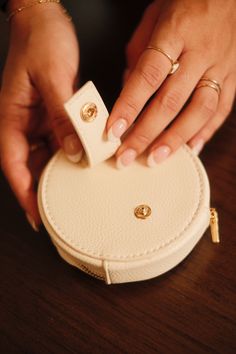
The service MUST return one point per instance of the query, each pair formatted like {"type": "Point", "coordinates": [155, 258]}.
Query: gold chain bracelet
{"type": "Point", "coordinates": [36, 2]}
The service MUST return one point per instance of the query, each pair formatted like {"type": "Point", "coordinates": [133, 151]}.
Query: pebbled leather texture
{"type": "Point", "coordinates": [89, 212]}
{"type": "Point", "coordinates": [92, 135]}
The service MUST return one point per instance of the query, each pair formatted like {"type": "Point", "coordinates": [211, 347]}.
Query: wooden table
{"type": "Point", "coordinates": [47, 306]}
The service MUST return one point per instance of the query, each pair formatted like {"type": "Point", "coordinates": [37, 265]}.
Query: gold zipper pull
{"type": "Point", "coordinates": [214, 223]}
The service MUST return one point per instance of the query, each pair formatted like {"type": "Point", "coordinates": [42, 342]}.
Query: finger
{"type": "Point", "coordinates": [126, 75]}
{"type": "Point", "coordinates": [56, 88]}
{"type": "Point", "coordinates": [224, 108]}
{"type": "Point", "coordinates": [201, 109]}
{"type": "Point", "coordinates": [53, 143]}
{"type": "Point", "coordinates": [149, 73]}
{"type": "Point", "coordinates": [38, 157]}
{"type": "Point", "coordinates": [14, 152]}
{"type": "Point", "coordinates": [45, 132]}
{"type": "Point", "coordinates": [141, 35]}
{"type": "Point", "coordinates": [164, 107]}
{"type": "Point", "coordinates": [37, 161]}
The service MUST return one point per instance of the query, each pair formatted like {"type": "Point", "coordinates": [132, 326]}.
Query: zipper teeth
{"type": "Point", "coordinates": [90, 272]}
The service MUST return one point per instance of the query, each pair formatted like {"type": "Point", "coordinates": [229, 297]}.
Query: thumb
{"type": "Point", "coordinates": [55, 90]}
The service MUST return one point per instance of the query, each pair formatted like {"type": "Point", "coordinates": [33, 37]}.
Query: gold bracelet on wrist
{"type": "Point", "coordinates": [36, 2]}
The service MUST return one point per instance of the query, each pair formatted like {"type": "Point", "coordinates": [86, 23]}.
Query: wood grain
{"type": "Point", "coordinates": [46, 306]}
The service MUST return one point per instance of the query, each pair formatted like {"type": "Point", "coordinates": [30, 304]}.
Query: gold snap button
{"type": "Point", "coordinates": [142, 211]}
{"type": "Point", "coordinates": [89, 112]}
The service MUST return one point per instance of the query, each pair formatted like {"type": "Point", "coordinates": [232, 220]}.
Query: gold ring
{"type": "Point", "coordinates": [206, 82]}
{"type": "Point", "coordinates": [211, 80]}
{"type": "Point", "coordinates": [174, 63]}
{"type": "Point", "coordinates": [214, 82]}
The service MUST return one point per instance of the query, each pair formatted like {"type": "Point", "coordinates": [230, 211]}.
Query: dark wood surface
{"type": "Point", "coordinates": [47, 306]}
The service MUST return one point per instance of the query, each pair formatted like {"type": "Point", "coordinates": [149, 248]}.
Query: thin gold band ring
{"type": "Point", "coordinates": [174, 63]}
{"type": "Point", "coordinates": [206, 82]}
{"type": "Point", "coordinates": [211, 80]}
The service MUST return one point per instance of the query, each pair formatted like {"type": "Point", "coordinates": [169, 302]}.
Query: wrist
{"type": "Point", "coordinates": [30, 19]}
{"type": "Point", "coordinates": [15, 4]}
{"type": "Point", "coordinates": [25, 10]}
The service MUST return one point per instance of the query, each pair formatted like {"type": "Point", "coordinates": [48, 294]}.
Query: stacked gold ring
{"type": "Point", "coordinates": [174, 63]}
{"type": "Point", "coordinates": [206, 82]}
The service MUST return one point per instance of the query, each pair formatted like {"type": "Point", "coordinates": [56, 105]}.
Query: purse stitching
{"type": "Point", "coordinates": [146, 252]}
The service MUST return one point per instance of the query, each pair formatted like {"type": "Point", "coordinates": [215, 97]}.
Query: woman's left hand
{"type": "Point", "coordinates": [201, 35]}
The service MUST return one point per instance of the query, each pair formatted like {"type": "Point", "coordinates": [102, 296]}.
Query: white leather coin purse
{"type": "Point", "coordinates": [121, 225]}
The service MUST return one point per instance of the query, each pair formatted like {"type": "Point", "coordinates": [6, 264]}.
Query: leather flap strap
{"type": "Point", "coordinates": [89, 115]}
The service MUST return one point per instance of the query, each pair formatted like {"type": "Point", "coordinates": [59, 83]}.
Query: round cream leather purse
{"type": "Point", "coordinates": [121, 225]}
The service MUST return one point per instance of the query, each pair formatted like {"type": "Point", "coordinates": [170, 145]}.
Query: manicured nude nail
{"type": "Point", "coordinates": [72, 148]}
{"type": "Point", "coordinates": [198, 146]}
{"type": "Point", "coordinates": [158, 155]}
{"type": "Point", "coordinates": [75, 158]}
{"type": "Point", "coordinates": [117, 129]}
{"type": "Point", "coordinates": [126, 158]}
{"type": "Point", "coordinates": [32, 222]}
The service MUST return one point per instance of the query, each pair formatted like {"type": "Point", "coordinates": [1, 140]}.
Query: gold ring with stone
{"type": "Point", "coordinates": [206, 82]}
{"type": "Point", "coordinates": [174, 63]}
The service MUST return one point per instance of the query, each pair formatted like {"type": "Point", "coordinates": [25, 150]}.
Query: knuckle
{"type": "Point", "coordinates": [171, 101]}
{"type": "Point", "coordinates": [52, 73]}
{"type": "Point", "coordinates": [47, 70]}
{"type": "Point", "coordinates": [131, 108]}
{"type": "Point", "coordinates": [53, 77]}
{"type": "Point", "coordinates": [142, 139]}
{"type": "Point", "coordinates": [151, 74]}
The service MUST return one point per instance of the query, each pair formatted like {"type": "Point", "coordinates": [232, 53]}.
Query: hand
{"type": "Point", "coordinates": [202, 36]}
{"type": "Point", "coordinates": [39, 76]}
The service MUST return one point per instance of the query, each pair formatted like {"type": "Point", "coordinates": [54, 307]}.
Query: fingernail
{"type": "Point", "coordinates": [75, 158]}
{"type": "Point", "coordinates": [158, 155]}
{"type": "Point", "coordinates": [126, 158]}
{"type": "Point", "coordinates": [198, 146]}
{"type": "Point", "coordinates": [117, 129]}
{"type": "Point", "coordinates": [72, 148]}
{"type": "Point", "coordinates": [32, 222]}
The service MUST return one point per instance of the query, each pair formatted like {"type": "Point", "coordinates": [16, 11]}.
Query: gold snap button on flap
{"type": "Point", "coordinates": [142, 211]}
{"type": "Point", "coordinates": [89, 112]}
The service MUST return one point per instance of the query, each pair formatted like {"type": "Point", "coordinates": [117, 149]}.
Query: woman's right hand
{"type": "Point", "coordinates": [39, 76]}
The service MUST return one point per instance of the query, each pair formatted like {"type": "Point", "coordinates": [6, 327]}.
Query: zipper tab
{"type": "Point", "coordinates": [214, 223]}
